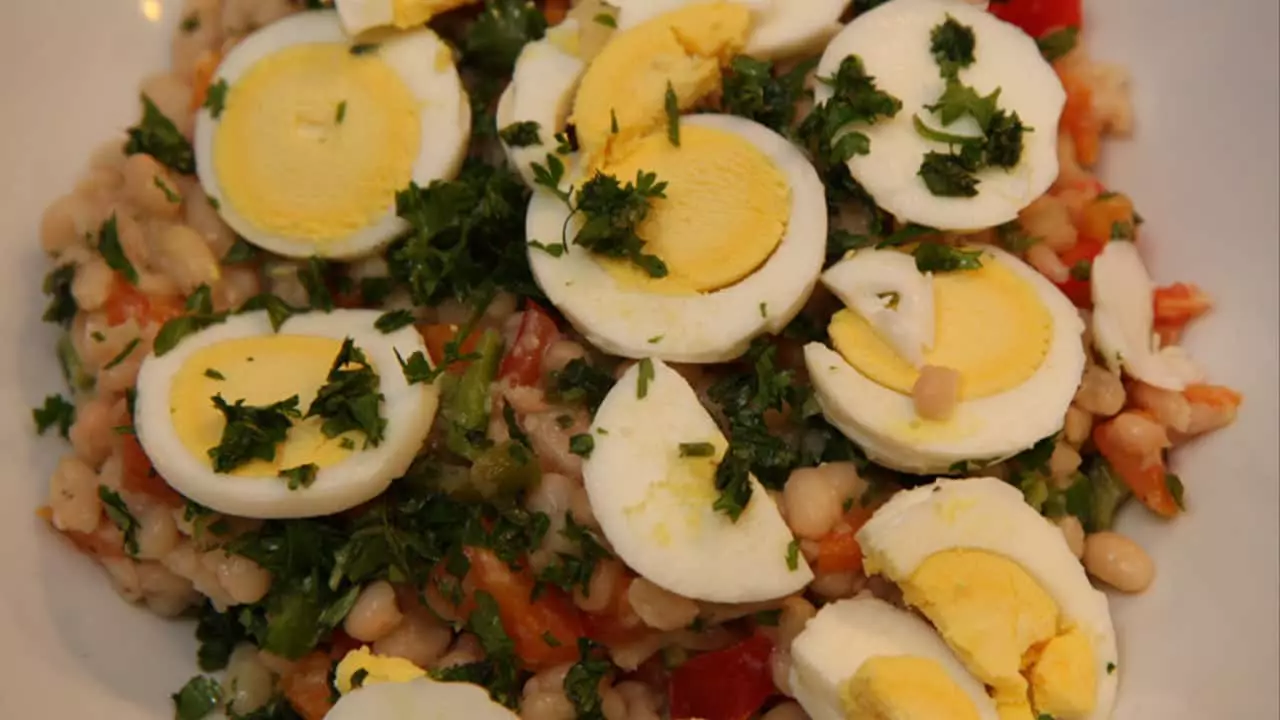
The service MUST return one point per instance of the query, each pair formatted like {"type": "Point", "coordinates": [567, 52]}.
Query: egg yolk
{"type": "Point", "coordinates": [622, 95]}
{"type": "Point", "coordinates": [314, 141]}
{"type": "Point", "coordinates": [409, 13]}
{"type": "Point", "coordinates": [378, 669]}
{"type": "Point", "coordinates": [903, 687]}
{"type": "Point", "coordinates": [725, 211]}
{"type": "Point", "coordinates": [262, 371]}
{"type": "Point", "coordinates": [1005, 628]}
{"type": "Point", "coordinates": [990, 327]}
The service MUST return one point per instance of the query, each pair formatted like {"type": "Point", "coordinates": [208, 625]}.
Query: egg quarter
{"type": "Point", "coordinates": [359, 16]}
{"type": "Point", "coordinates": [780, 28]}
{"type": "Point", "coordinates": [176, 423]}
{"type": "Point", "coordinates": [316, 135]}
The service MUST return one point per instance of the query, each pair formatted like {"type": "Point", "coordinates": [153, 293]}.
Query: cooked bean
{"type": "Point", "coordinates": [612, 704]}
{"type": "Point", "coordinates": [551, 443]}
{"type": "Point", "coordinates": [419, 638]}
{"type": "Point", "coordinates": [172, 96]}
{"type": "Point", "coordinates": [786, 711]}
{"type": "Point", "coordinates": [1171, 408]}
{"type": "Point", "coordinates": [659, 608]}
{"type": "Point", "coordinates": [1048, 219]}
{"type": "Point", "coordinates": [1118, 561]}
{"type": "Point", "coordinates": [374, 614]}
{"type": "Point", "coordinates": [248, 682]}
{"type": "Point", "coordinates": [200, 216]}
{"type": "Point", "coordinates": [184, 256]}
{"type": "Point", "coordinates": [780, 669]}
{"type": "Point", "coordinates": [1138, 434]}
{"type": "Point", "coordinates": [465, 650]}
{"type": "Point", "coordinates": [549, 680]}
{"type": "Point", "coordinates": [145, 185]}
{"type": "Point", "coordinates": [548, 706]}
{"type": "Point", "coordinates": [124, 577]}
{"type": "Point", "coordinates": [200, 32]}
{"type": "Point", "coordinates": [92, 284]}
{"type": "Point", "coordinates": [1077, 426]}
{"type": "Point", "coordinates": [133, 238]}
{"type": "Point", "coordinates": [165, 593]}
{"type": "Point", "coordinates": [1047, 262]}
{"type": "Point", "coordinates": [235, 287]}
{"type": "Point", "coordinates": [1063, 463]}
{"type": "Point", "coordinates": [64, 223]}
{"type": "Point", "coordinates": [796, 613]}
{"type": "Point", "coordinates": [813, 502]}
{"type": "Point", "coordinates": [92, 434]}
{"type": "Point", "coordinates": [936, 392]}
{"type": "Point", "coordinates": [837, 585]}
{"type": "Point", "coordinates": [559, 353]}
{"type": "Point", "coordinates": [600, 590]}
{"type": "Point", "coordinates": [157, 534]}
{"type": "Point", "coordinates": [73, 496]}
{"type": "Point", "coordinates": [1100, 392]}
{"type": "Point", "coordinates": [241, 17]}
{"type": "Point", "coordinates": [1073, 533]}
{"type": "Point", "coordinates": [244, 580]}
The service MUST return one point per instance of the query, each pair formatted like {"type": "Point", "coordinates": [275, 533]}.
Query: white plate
{"type": "Point", "coordinates": [1203, 168]}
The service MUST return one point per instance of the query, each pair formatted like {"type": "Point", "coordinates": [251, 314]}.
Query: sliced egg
{"type": "Point", "coordinates": [654, 500]}
{"type": "Point", "coordinates": [361, 15]}
{"type": "Point", "coordinates": [1011, 335]}
{"type": "Point", "coordinates": [1005, 592]}
{"type": "Point", "coordinates": [376, 669]}
{"type": "Point", "coordinates": [1123, 322]}
{"type": "Point", "coordinates": [742, 231]}
{"type": "Point", "coordinates": [541, 92]}
{"type": "Point", "coordinates": [419, 699]}
{"type": "Point", "coordinates": [243, 358]}
{"type": "Point", "coordinates": [866, 658]}
{"type": "Point", "coordinates": [314, 135]}
{"type": "Point", "coordinates": [780, 28]}
{"type": "Point", "coordinates": [1005, 58]}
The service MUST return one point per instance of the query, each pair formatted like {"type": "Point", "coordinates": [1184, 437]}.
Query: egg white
{"type": "Point", "coordinates": [669, 532]}
{"type": "Point", "coordinates": [704, 328]}
{"type": "Point", "coordinates": [444, 112]}
{"type": "Point", "coordinates": [1124, 321]}
{"type": "Point", "coordinates": [408, 409]}
{"type": "Point", "coordinates": [991, 515]}
{"type": "Point", "coordinates": [1005, 57]}
{"type": "Point", "coordinates": [541, 90]}
{"type": "Point", "coordinates": [845, 634]}
{"type": "Point", "coordinates": [419, 699]}
{"type": "Point", "coordinates": [988, 429]}
{"type": "Point", "coordinates": [781, 28]}
{"type": "Point", "coordinates": [862, 281]}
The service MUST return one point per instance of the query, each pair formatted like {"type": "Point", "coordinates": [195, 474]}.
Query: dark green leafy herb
{"type": "Point", "coordinates": [349, 400]}
{"type": "Point", "coordinates": [613, 121]}
{"type": "Point", "coordinates": [486, 624]}
{"type": "Point", "coordinates": [190, 23]}
{"type": "Point", "coordinates": [949, 175]}
{"type": "Point", "coordinates": [363, 48]}
{"type": "Point", "coordinates": [958, 100]}
{"type": "Point", "coordinates": [1014, 238]}
{"type": "Point", "coordinates": [767, 618]}
{"type": "Point", "coordinates": [465, 403]}
{"type": "Point", "coordinates": [251, 432]}
{"type": "Point", "coordinates": [952, 46]}
{"type": "Point", "coordinates": [520, 134]}
{"type": "Point", "coordinates": [375, 290]}
{"type": "Point", "coordinates": [278, 311]}
{"type": "Point", "coordinates": [752, 91]}
{"type": "Point", "coordinates": [1176, 489]}
{"type": "Point", "coordinates": [582, 682]}
{"type": "Point", "coordinates": [123, 354]}
{"type": "Point", "coordinates": [1122, 230]}
{"type": "Point", "coordinates": [645, 376]}
{"type": "Point", "coordinates": [556, 250]}
{"type": "Point", "coordinates": [169, 193]}
{"type": "Point", "coordinates": [582, 445]}
{"type": "Point", "coordinates": [314, 276]}
{"type": "Point", "coordinates": [393, 320]}
{"type": "Point", "coordinates": [929, 133]}
{"type": "Point", "coordinates": [119, 514]}
{"type": "Point", "coordinates": [56, 412]}
{"type": "Point", "coordinates": [841, 242]}
{"type": "Point", "coordinates": [216, 99]}
{"type": "Point", "coordinates": [907, 233]}
{"type": "Point", "coordinates": [611, 213]}
{"type": "Point", "coordinates": [572, 570]}
{"type": "Point", "coordinates": [301, 476]}
{"type": "Point", "coordinates": [1082, 270]}
{"type": "Point", "coordinates": [218, 634]}
{"type": "Point", "coordinates": [855, 99]}
{"type": "Point", "coordinates": [1111, 668]}
{"type": "Point", "coordinates": [1058, 43]}
{"type": "Point", "coordinates": [111, 250]}
{"type": "Point", "coordinates": [240, 252]}
{"type": "Point", "coordinates": [550, 176]}
{"type": "Point", "coordinates": [937, 257]}
{"type": "Point", "coordinates": [157, 136]}
{"type": "Point", "coordinates": [197, 699]}
{"type": "Point", "coordinates": [62, 304]}
{"type": "Point", "coordinates": [502, 30]}
{"type": "Point", "coordinates": [606, 20]}
{"type": "Point", "coordinates": [199, 315]}
{"type": "Point", "coordinates": [697, 449]}
{"type": "Point", "coordinates": [567, 141]}
{"type": "Point", "coordinates": [793, 555]}
{"type": "Point", "coordinates": [340, 113]}
{"type": "Point", "coordinates": [672, 105]}
{"type": "Point", "coordinates": [580, 381]}
{"type": "Point", "coordinates": [1004, 140]}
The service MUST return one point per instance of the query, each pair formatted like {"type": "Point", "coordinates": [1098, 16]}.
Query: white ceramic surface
{"type": "Point", "coordinates": [1204, 167]}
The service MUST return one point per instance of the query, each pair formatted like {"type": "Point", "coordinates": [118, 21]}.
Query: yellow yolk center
{"type": "Point", "coordinates": [409, 13]}
{"type": "Point", "coordinates": [378, 669]}
{"type": "Point", "coordinates": [990, 327]}
{"type": "Point", "coordinates": [905, 688]}
{"type": "Point", "coordinates": [314, 142]}
{"type": "Point", "coordinates": [262, 371]}
{"type": "Point", "coordinates": [725, 211]}
{"type": "Point", "coordinates": [1005, 628]}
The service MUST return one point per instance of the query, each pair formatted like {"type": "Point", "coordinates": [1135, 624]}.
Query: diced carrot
{"type": "Point", "coordinates": [1179, 303]}
{"type": "Point", "coordinates": [202, 76]}
{"type": "Point", "coordinates": [555, 11]}
{"type": "Point", "coordinates": [1079, 119]}
{"type": "Point", "coordinates": [438, 335]}
{"type": "Point", "coordinates": [306, 687]}
{"type": "Point", "coordinates": [1145, 476]}
{"type": "Point", "coordinates": [1100, 217]}
{"type": "Point", "coordinates": [838, 551]}
{"type": "Point", "coordinates": [1216, 396]}
{"type": "Point", "coordinates": [1169, 333]}
{"type": "Point", "coordinates": [139, 476]}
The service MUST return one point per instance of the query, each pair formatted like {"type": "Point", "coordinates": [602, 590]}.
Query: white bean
{"type": "Point", "coordinates": [374, 614]}
{"type": "Point", "coordinates": [419, 638]}
{"type": "Point", "coordinates": [813, 503]}
{"type": "Point", "coordinates": [73, 496]}
{"type": "Point", "coordinates": [150, 188]}
{"type": "Point", "coordinates": [183, 255]}
{"type": "Point", "coordinates": [659, 608]}
{"type": "Point", "coordinates": [243, 579]}
{"type": "Point", "coordinates": [1118, 561]}
{"type": "Point", "coordinates": [248, 683]}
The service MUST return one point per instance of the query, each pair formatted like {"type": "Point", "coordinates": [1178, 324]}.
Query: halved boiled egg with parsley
{"type": "Point", "coordinates": [307, 136]}
{"type": "Point", "coordinates": [1010, 339]}
{"type": "Point", "coordinates": [230, 417]}
{"type": "Point", "coordinates": [651, 479]}
{"type": "Point", "coordinates": [780, 28]}
{"type": "Point", "coordinates": [865, 658]}
{"type": "Point", "coordinates": [962, 153]}
{"type": "Point", "coordinates": [1004, 591]}
{"type": "Point", "coordinates": [361, 15]}
{"type": "Point", "coordinates": [1124, 321]}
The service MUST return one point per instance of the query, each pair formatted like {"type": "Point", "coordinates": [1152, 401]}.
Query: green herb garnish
{"type": "Point", "coordinates": [301, 476]}
{"type": "Point", "coordinates": [645, 376]}
{"type": "Point", "coordinates": [793, 555]}
{"type": "Point", "coordinates": [157, 136]}
{"type": "Point", "coordinates": [216, 98]}
{"type": "Point", "coordinates": [57, 412]}
{"type": "Point", "coordinates": [1058, 43]}
{"type": "Point", "coordinates": [119, 515]}
{"type": "Point", "coordinates": [952, 46]}
{"type": "Point", "coordinates": [350, 399]}
{"type": "Point", "coordinates": [393, 320]}
{"type": "Point", "coordinates": [251, 432]}
{"type": "Point", "coordinates": [113, 253]}
{"type": "Point", "coordinates": [582, 445]}
{"type": "Point", "coordinates": [936, 257]}
{"type": "Point", "coordinates": [197, 699]}
{"type": "Point", "coordinates": [340, 113]}
{"type": "Point", "coordinates": [169, 193]}
{"type": "Point", "coordinates": [62, 305]}
{"type": "Point", "coordinates": [520, 134]}
{"type": "Point", "coordinates": [752, 91]}
{"type": "Point", "coordinates": [697, 449]}
{"type": "Point", "coordinates": [672, 105]}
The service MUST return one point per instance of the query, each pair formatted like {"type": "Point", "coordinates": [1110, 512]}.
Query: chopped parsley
{"type": "Point", "coordinates": [655, 339]}
{"type": "Point", "coordinates": [949, 174]}
{"type": "Point", "coordinates": [123, 354]}
{"type": "Point", "coordinates": [214, 374]}
{"type": "Point", "coordinates": [767, 618]}
{"type": "Point", "coordinates": [169, 193]}
{"type": "Point", "coordinates": [751, 90]}
{"type": "Point", "coordinates": [278, 311]}
{"type": "Point", "coordinates": [582, 445]}
{"type": "Point", "coordinates": [1121, 230]}
{"type": "Point", "coordinates": [197, 699]}
{"type": "Point", "coordinates": [363, 48]}
{"type": "Point", "coordinates": [215, 100]}
{"type": "Point", "coordinates": [62, 305]}
{"type": "Point", "coordinates": [605, 19]}
{"type": "Point", "coordinates": [1014, 238]}
{"type": "Point", "coordinates": [937, 257]}
{"type": "Point", "coordinates": [1176, 489]}
{"type": "Point", "coordinates": [199, 315]}
{"type": "Point", "coordinates": [613, 121]}
{"type": "Point", "coordinates": [190, 23]}
{"type": "Point", "coordinates": [313, 275]}
{"type": "Point", "coordinates": [393, 320]}
{"type": "Point", "coordinates": [953, 174]}
{"type": "Point", "coordinates": [495, 39]}
{"type": "Point", "coordinates": [611, 213]}
{"type": "Point", "coordinates": [952, 46]}
{"type": "Point", "coordinates": [157, 136]}
{"type": "Point", "coordinates": [1058, 43]}
{"type": "Point", "coordinates": [112, 252]}
{"type": "Point", "coordinates": [855, 99]}
{"type": "Point", "coordinates": [57, 412]}
{"type": "Point", "coordinates": [251, 432]}
{"type": "Point", "coordinates": [580, 381]}
{"type": "Point", "coordinates": [672, 105]}
{"type": "Point", "coordinates": [697, 449]}
{"type": "Point", "coordinates": [1111, 668]}
{"type": "Point", "coordinates": [358, 677]}
{"type": "Point", "coordinates": [240, 252]}
{"type": "Point", "coordinates": [572, 570]}
{"type": "Point", "coordinates": [582, 682]}
{"type": "Point", "coordinates": [644, 378]}
{"type": "Point", "coordinates": [301, 476]}
{"type": "Point", "coordinates": [119, 515]}
{"type": "Point", "coordinates": [1082, 270]}
{"type": "Point", "coordinates": [793, 555]}
{"type": "Point", "coordinates": [929, 133]}
{"type": "Point", "coordinates": [350, 400]}
{"type": "Point", "coordinates": [340, 113]}
{"type": "Point", "coordinates": [521, 134]}
{"type": "Point", "coordinates": [555, 250]}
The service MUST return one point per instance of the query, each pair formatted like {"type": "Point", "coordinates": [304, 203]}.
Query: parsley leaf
{"type": "Point", "coordinates": [62, 306]}
{"type": "Point", "coordinates": [169, 193]}
{"type": "Point", "coordinates": [520, 134]}
{"type": "Point", "coordinates": [197, 699]}
{"type": "Point", "coordinates": [1058, 43]}
{"type": "Point", "coordinates": [251, 432]}
{"type": "Point", "coordinates": [855, 99]}
{"type": "Point", "coordinates": [612, 212]}
{"type": "Point", "coordinates": [157, 136]}
{"type": "Point", "coordinates": [958, 100]}
{"type": "Point", "coordinates": [793, 555]}
{"type": "Point", "coordinates": [937, 257]}
{"type": "Point", "coordinates": [278, 311]}
{"type": "Point", "coordinates": [216, 98]}
{"type": "Point", "coordinates": [573, 570]}
{"type": "Point", "coordinates": [350, 400]}
{"type": "Point", "coordinates": [606, 20]}
{"type": "Point", "coordinates": [340, 113]}
{"type": "Point", "coordinates": [582, 682]}
{"type": "Point", "coordinates": [496, 38]}
{"type": "Point", "coordinates": [301, 476]}
{"type": "Point", "coordinates": [697, 449]}
{"type": "Point", "coordinates": [949, 175]}
{"type": "Point", "coordinates": [645, 376]}
{"type": "Point", "coordinates": [752, 91]}
{"type": "Point", "coordinates": [119, 514]}
{"type": "Point", "coordinates": [218, 634]}
{"type": "Point", "coordinates": [672, 105]}
{"type": "Point", "coordinates": [582, 445]}
{"type": "Point", "coordinates": [393, 320]}
{"type": "Point", "coordinates": [314, 278]}
{"type": "Point", "coordinates": [1014, 238]}
{"type": "Point", "coordinates": [556, 250]}
{"type": "Point", "coordinates": [123, 354]}
{"type": "Point", "coordinates": [200, 315]}
{"type": "Point", "coordinates": [580, 381]}
{"type": "Point", "coordinates": [952, 46]}
{"type": "Point", "coordinates": [240, 252]}
{"type": "Point", "coordinates": [57, 412]}
{"type": "Point", "coordinates": [1004, 139]}
{"type": "Point", "coordinates": [111, 250]}
{"type": "Point", "coordinates": [190, 23]}
{"type": "Point", "coordinates": [1176, 489]}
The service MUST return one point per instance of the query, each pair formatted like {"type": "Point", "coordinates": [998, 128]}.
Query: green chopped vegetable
{"type": "Point", "coordinates": [350, 399]}
{"type": "Point", "coordinates": [751, 90]}
{"type": "Point", "coordinates": [672, 105]}
{"type": "Point", "coordinates": [57, 412]}
{"type": "Point", "coordinates": [582, 682]}
{"type": "Point", "coordinates": [465, 402]}
{"type": "Point", "coordinates": [62, 306]}
{"type": "Point", "coordinates": [952, 46]}
{"type": "Point", "coordinates": [197, 699]}
{"type": "Point", "coordinates": [119, 514]}
{"type": "Point", "coordinates": [582, 445]}
{"type": "Point", "coordinates": [793, 555]}
{"type": "Point", "coordinates": [936, 257]}
{"type": "Point", "coordinates": [123, 354]}
{"type": "Point", "coordinates": [697, 449]}
{"type": "Point", "coordinates": [251, 433]}
{"type": "Point", "coordinates": [111, 250]}
{"type": "Point", "coordinates": [1058, 43]}
{"type": "Point", "coordinates": [393, 320]}
{"type": "Point", "coordinates": [521, 134]}
{"type": "Point", "coordinates": [644, 378]}
{"type": "Point", "coordinates": [216, 99]}
{"type": "Point", "coordinates": [157, 136]}
{"type": "Point", "coordinates": [301, 476]}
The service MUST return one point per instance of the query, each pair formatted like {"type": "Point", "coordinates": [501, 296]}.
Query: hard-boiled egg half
{"type": "Point", "coordinates": [742, 224]}
{"type": "Point", "coordinates": [651, 482]}
{"type": "Point", "coordinates": [865, 658]}
{"type": "Point", "coordinates": [308, 135]}
{"type": "Point", "coordinates": [245, 359]}
{"type": "Point", "coordinates": [1124, 321]}
{"type": "Point", "coordinates": [1012, 337]}
{"type": "Point", "coordinates": [391, 688]}
{"type": "Point", "coordinates": [780, 28]}
{"type": "Point", "coordinates": [1005, 592]}
{"type": "Point", "coordinates": [1005, 59]}
{"type": "Point", "coordinates": [361, 15]}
